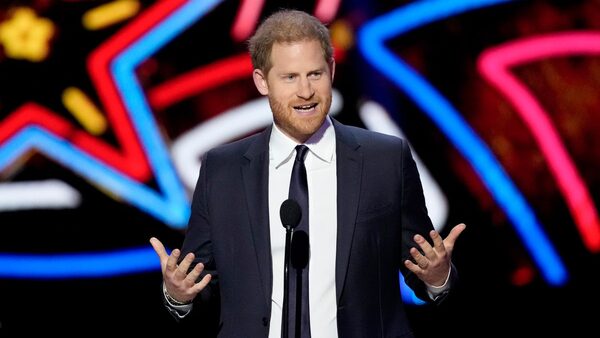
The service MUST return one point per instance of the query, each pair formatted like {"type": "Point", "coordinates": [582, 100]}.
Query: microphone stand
{"type": "Point", "coordinates": [286, 282]}
{"type": "Point", "coordinates": [290, 214]}
{"type": "Point", "coordinates": [300, 253]}
{"type": "Point", "coordinates": [298, 325]}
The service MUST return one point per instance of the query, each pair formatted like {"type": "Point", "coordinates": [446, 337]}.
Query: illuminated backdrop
{"type": "Point", "coordinates": [107, 106]}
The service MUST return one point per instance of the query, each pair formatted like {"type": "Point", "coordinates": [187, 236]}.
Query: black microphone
{"type": "Point", "coordinates": [290, 214]}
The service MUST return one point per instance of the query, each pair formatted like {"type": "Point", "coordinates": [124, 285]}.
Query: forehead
{"type": "Point", "coordinates": [297, 55]}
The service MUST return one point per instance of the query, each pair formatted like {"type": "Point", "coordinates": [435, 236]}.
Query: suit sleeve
{"type": "Point", "coordinates": [415, 220]}
{"type": "Point", "coordinates": [198, 241]}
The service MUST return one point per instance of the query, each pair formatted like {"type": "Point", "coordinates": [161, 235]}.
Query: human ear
{"type": "Point", "coordinates": [332, 68]}
{"type": "Point", "coordinates": [260, 81]}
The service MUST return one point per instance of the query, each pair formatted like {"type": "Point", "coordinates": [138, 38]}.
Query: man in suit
{"type": "Point", "coordinates": [367, 212]}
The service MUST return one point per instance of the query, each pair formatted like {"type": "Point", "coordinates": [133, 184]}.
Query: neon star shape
{"type": "Point", "coordinates": [371, 42]}
{"type": "Point", "coordinates": [122, 54]}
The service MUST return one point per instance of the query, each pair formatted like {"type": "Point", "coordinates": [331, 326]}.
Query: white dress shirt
{"type": "Point", "coordinates": [322, 220]}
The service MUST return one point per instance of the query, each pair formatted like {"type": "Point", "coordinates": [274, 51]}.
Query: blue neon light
{"type": "Point", "coordinates": [371, 43]}
{"type": "Point", "coordinates": [408, 295]}
{"type": "Point", "coordinates": [83, 265]}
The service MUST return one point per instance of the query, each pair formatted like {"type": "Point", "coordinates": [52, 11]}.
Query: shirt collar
{"type": "Point", "coordinates": [321, 144]}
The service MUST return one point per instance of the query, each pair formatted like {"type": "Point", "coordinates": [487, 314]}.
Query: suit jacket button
{"type": "Point", "coordinates": [265, 321]}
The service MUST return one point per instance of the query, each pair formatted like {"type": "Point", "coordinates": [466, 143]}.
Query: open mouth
{"type": "Point", "coordinates": [306, 108]}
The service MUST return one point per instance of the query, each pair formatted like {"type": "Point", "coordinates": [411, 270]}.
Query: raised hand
{"type": "Point", "coordinates": [180, 284]}
{"type": "Point", "coordinates": [433, 266]}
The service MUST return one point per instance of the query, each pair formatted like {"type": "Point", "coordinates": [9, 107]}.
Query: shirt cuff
{"type": "Point", "coordinates": [436, 291]}
{"type": "Point", "coordinates": [180, 310]}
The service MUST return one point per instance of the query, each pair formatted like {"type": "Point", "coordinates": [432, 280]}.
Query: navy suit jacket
{"type": "Point", "coordinates": [380, 208]}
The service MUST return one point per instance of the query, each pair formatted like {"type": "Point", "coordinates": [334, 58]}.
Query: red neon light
{"type": "Point", "coordinates": [33, 114]}
{"type": "Point", "coordinates": [204, 78]}
{"type": "Point", "coordinates": [523, 275]}
{"type": "Point", "coordinates": [494, 64]}
{"type": "Point", "coordinates": [200, 79]}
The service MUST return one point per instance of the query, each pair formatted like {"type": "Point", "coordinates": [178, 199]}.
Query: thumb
{"type": "Point", "coordinates": [453, 236]}
{"type": "Point", "coordinates": [160, 250]}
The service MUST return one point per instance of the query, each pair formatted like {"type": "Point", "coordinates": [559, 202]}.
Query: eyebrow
{"type": "Point", "coordinates": [317, 70]}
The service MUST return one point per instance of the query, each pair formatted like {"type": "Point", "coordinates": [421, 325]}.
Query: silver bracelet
{"type": "Point", "coordinates": [173, 300]}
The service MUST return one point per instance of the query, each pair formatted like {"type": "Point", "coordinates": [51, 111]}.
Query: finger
{"type": "Point", "coordinates": [424, 245]}
{"type": "Point", "coordinates": [184, 266]}
{"type": "Point", "coordinates": [172, 261]}
{"type": "Point", "coordinates": [159, 248]}
{"type": "Point", "coordinates": [195, 273]}
{"type": "Point", "coordinates": [453, 235]}
{"type": "Point", "coordinates": [438, 241]}
{"type": "Point", "coordinates": [201, 284]}
{"type": "Point", "coordinates": [421, 261]}
{"type": "Point", "coordinates": [412, 266]}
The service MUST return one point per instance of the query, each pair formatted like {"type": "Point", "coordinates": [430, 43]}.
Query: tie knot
{"type": "Point", "coordinates": [301, 150]}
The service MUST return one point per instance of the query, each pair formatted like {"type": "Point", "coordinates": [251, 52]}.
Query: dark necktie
{"type": "Point", "coordinates": [298, 297]}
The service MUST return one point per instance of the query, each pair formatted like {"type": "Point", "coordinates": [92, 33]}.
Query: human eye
{"type": "Point", "coordinates": [289, 77]}
{"type": "Point", "coordinates": [315, 75]}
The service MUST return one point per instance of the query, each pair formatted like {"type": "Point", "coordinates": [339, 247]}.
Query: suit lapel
{"type": "Point", "coordinates": [349, 172]}
{"type": "Point", "coordinates": [255, 174]}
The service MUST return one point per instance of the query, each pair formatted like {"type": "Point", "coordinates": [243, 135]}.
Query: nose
{"type": "Point", "coordinates": [305, 89]}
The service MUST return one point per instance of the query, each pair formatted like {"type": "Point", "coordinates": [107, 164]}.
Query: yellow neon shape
{"type": "Point", "coordinates": [25, 35]}
{"type": "Point", "coordinates": [109, 14]}
{"type": "Point", "coordinates": [84, 110]}
{"type": "Point", "coordinates": [341, 33]}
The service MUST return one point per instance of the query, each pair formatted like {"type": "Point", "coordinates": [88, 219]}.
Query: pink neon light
{"type": "Point", "coordinates": [326, 10]}
{"type": "Point", "coordinates": [249, 12]}
{"type": "Point", "coordinates": [246, 19]}
{"type": "Point", "coordinates": [494, 65]}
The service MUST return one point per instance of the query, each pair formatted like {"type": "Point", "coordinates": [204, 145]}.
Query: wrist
{"type": "Point", "coordinates": [172, 300]}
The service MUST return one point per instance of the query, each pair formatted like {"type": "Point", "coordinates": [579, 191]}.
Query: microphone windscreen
{"type": "Point", "coordinates": [290, 213]}
{"type": "Point", "coordinates": [300, 251]}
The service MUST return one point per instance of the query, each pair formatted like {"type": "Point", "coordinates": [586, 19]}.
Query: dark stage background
{"type": "Point", "coordinates": [107, 106]}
